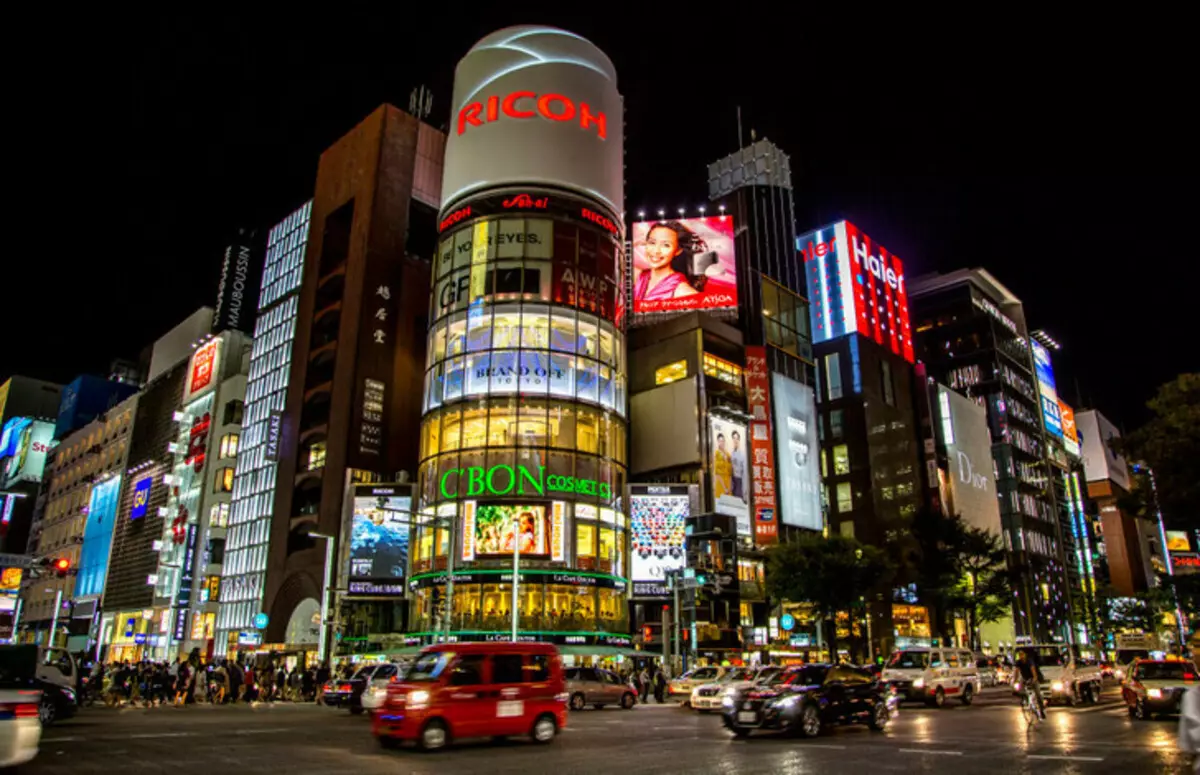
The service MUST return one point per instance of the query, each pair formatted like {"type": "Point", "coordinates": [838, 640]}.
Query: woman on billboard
{"type": "Point", "coordinates": [670, 250]}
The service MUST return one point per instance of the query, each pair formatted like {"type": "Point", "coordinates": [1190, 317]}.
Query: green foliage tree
{"type": "Point", "coordinates": [934, 563]}
{"type": "Point", "coordinates": [983, 592]}
{"type": "Point", "coordinates": [834, 574]}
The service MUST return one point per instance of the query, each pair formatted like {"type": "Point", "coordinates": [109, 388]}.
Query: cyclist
{"type": "Point", "coordinates": [1032, 678]}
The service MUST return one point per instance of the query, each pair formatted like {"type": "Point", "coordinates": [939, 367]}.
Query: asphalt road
{"type": "Point", "coordinates": [989, 737]}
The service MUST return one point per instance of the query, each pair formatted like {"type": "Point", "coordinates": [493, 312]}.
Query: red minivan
{"type": "Point", "coordinates": [463, 690]}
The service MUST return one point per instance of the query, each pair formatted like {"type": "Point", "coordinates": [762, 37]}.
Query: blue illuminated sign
{"type": "Point", "coordinates": [141, 497]}
{"type": "Point", "coordinates": [787, 622]}
{"type": "Point", "coordinates": [1051, 414]}
{"type": "Point", "coordinates": [260, 621]}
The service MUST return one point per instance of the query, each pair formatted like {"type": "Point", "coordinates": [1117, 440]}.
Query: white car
{"type": "Point", "coordinates": [681, 687]}
{"type": "Point", "coordinates": [20, 727]}
{"type": "Point", "coordinates": [709, 696]}
{"type": "Point", "coordinates": [375, 692]}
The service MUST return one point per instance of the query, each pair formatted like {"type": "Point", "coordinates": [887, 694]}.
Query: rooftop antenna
{"type": "Point", "coordinates": [739, 123]}
{"type": "Point", "coordinates": [420, 101]}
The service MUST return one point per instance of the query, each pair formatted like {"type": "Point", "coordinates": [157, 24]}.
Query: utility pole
{"type": "Point", "coordinates": [450, 578]}
{"type": "Point", "coordinates": [54, 620]}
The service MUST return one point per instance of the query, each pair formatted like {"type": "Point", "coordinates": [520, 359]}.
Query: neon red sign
{"type": "Point", "coordinates": [599, 220]}
{"type": "Point", "coordinates": [526, 202]}
{"type": "Point", "coordinates": [527, 104]}
{"type": "Point", "coordinates": [455, 217]}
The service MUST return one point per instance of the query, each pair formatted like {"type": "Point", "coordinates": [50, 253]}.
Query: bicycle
{"type": "Point", "coordinates": [1031, 709]}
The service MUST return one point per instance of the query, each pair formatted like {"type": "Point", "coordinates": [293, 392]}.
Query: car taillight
{"type": "Point", "coordinates": [24, 710]}
{"type": "Point", "coordinates": [563, 697]}
{"type": "Point", "coordinates": [344, 688]}
{"type": "Point", "coordinates": [394, 679]}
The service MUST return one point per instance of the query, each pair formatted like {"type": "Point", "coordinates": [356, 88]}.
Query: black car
{"type": "Point", "coordinates": [803, 699]}
{"type": "Point", "coordinates": [58, 702]}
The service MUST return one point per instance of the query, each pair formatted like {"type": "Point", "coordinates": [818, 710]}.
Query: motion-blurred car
{"type": "Point", "coordinates": [596, 687]}
{"type": "Point", "coordinates": [20, 728]}
{"type": "Point", "coordinates": [681, 687]}
{"type": "Point", "coordinates": [708, 696]}
{"type": "Point", "coordinates": [374, 691]}
{"type": "Point", "coordinates": [341, 692]}
{"type": "Point", "coordinates": [1156, 686]}
{"type": "Point", "coordinates": [805, 699]}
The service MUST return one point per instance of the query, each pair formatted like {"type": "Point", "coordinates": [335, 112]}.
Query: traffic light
{"type": "Point", "coordinates": [61, 566]}
{"type": "Point", "coordinates": [646, 633]}
{"type": "Point", "coordinates": [701, 579]}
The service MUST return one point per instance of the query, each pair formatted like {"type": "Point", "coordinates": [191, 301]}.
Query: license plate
{"type": "Point", "coordinates": [747, 717]}
{"type": "Point", "coordinates": [510, 709]}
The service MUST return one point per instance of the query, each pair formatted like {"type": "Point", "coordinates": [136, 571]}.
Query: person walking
{"type": "Point", "coordinates": [660, 686]}
{"type": "Point", "coordinates": [323, 675]}
{"type": "Point", "coordinates": [182, 677]}
{"type": "Point", "coordinates": [220, 681]}
{"type": "Point", "coordinates": [644, 685]}
{"type": "Point", "coordinates": [266, 683]}
{"type": "Point", "coordinates": [201, 691]}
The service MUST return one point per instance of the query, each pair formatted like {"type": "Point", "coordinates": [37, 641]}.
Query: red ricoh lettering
{"type": "Point", "coordinates": [527, 104]}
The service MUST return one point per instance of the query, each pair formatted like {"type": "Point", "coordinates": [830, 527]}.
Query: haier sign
{"type": "Point", "coordinates": [855, 286]}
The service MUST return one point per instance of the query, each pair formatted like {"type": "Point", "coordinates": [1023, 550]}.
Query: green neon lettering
{"type": "Point", "coordinates": [538, 484]}
{"type": "Point", "coordinates": [605, 491]}
{"type": "Point", "coordinates": [512, 480]}
{"type": "Point", "coordinates": [442, 485]}
{"type": "Point", "coordinates": [474, 482]}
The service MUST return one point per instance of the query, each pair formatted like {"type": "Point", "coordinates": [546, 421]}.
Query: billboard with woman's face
{"type": "Point", "coordinates": [499, 527]}
{"type": "Point", "coordinates": [684, 264]}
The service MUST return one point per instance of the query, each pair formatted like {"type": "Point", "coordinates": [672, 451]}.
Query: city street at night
{"type": "Point", "coordinates": [988, 737]}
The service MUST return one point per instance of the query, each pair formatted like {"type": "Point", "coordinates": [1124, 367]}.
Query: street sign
{"type": "Point", "coordinates": [787, 622]}
{"type": "Point", "coordinates": [16, 561]}
{"type": "Point", "coordinates": [260, 621]}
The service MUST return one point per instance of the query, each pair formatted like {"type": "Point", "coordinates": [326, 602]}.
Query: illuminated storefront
{"type": "Point", "coordinates": [524, 430]}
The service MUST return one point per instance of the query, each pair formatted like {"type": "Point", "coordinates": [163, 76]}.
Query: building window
{"type": "Point", "coordinates": [224, 480]}
{"type": "Point", "coordinates": [722, 370]}
{"type": "Point", "coordinates": [229, 445]}
{"type": "Point", "coordinates": [316, 456]}
{"type": "Point", "coordinates": [233, 412]}
{"type": "Point", "coordinates": [841, 460]}
{"type": "Point", "coordinates": [672, 372]}
{"type": "Point", "coordinates": [785, 320]}
{"type": "Point", "coordinates": [885, 376]}
{"type": "Point", "coordinates": [845, 503]}
{"type": "Point", "coordinates": [833, 376]}
{"type": "Point", "coordinates": [846, 528]}
{"type": "Point", "coordinates": [837, 421]}
{"type": "Point", "coordinates": [218, 515]}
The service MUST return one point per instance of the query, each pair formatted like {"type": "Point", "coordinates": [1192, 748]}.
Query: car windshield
{"type": "Point", "coordinates": [909, 659]}
{"type": "Point", "coordinates": [809, 675]}
{"type": "Point", "coordinates": [1050, 656]}
{"type": "Point", "coordinates": [705, 674]}
{"type": "Point", "coordinates": [767, 675]}
{"type": "Point", "coordinates": [429, 667]}
{"type": "Point", "coordinates": [1165, 671]}
{"type": "Point", "coordinates": [364, 672]}
{"type": "Point", "coordinates": [738, 674]}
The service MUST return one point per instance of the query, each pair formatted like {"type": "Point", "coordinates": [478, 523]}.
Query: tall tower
{"type": "Point", "coordinates": [524, 427]}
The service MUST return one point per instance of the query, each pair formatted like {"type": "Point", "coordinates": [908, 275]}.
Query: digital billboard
{"type": "Point", "coordinates": [729, 472]}
{"type": "Point", "coordinates": [203, 371]}
{"type": "Point", "coordinates": [684, 264]}
{"type": "Point", "coordinates": [855, 286]}
{"type": "Point", "coordinates": [1051, 413]}
{"type": "Point", "coordinates": [657, 522]}
{"type": "Point", "coordinates": [1069, 433]}
{"type": "Point", "coordinates": [28, 442]}
{"type": "Point", "coordinates": [1177, 541]}
{"type": "Point", "coordinates": [796, 438]}
{"type": "Point", "coordinates": [549, 99]}
{"type": "Point", "coordinates": [97, 537]}
{"type": "Point", "coordinates": [762, 450]}
{"type": "Point", "coordinates": [501, 528]}
{"type": "Point", "coordinates": [379, 539]}
{"type": "Point", "coordinates": [971, 472]}
{"type": "Point", "coordinates": [141, 497]}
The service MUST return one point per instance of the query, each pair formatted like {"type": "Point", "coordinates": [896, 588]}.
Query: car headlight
{"type": "Point", "coordinates": [1154, 694]}
{"type": "Point", "coordinates": [1056, 686]}
{"type": "Point", "coordinates": [418, 699]}
{"type": "Point", "coordinates": [728, 701]}
{"type": "Point", "coordinates": [919, 683]}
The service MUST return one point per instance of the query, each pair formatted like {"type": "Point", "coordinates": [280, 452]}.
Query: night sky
{"type": "Point", "coordinates": [1055, 156]}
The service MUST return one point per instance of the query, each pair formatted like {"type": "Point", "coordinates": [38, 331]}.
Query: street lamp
{"type": "Point", "coordinates": [323, 636]}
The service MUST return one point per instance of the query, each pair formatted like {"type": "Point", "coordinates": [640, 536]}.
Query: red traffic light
{"type": "Point", "coordinates": [646, 632]}
{"type": "Point", "coordinates": [62, 564]}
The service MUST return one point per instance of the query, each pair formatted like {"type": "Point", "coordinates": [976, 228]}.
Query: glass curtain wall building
{"type": "Point", "coordinates": [241, 589]}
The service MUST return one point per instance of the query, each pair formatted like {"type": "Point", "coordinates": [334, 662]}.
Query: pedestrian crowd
{"type": "Point", "coordinates": [193, 681]}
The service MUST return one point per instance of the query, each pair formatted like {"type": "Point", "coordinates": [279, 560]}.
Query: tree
{"type": "Point", "coordinates": [983, 593]}
{"type": "Point", "coordinates": [1170, 445]}
{"type": "Point", "coordinates": [834, 574]}
{"type": "Point", "coordinates": [935, 565]}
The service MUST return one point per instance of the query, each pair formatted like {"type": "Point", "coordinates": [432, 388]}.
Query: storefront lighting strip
{"type": "Point", "coordinates": [530, 572]}
{"type": "Point", "coordinates": [440, 633]}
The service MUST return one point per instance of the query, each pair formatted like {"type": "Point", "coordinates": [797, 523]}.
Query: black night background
{"type": "Point", "coordinates": [1055, 156]}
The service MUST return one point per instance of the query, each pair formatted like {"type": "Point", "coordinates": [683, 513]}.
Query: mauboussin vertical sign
{"type": "Point", "coordinates": [758, 397]}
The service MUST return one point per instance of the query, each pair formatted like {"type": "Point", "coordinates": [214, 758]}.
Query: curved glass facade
{"type": "Point", "coordinates": [524, 434]}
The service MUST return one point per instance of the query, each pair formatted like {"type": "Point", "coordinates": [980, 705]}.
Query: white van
{"type": "Point", "coordinates": [933, 675]}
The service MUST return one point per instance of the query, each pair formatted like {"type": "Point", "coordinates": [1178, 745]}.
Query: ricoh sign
{"type": "Point", "coordinates": [535, 105]}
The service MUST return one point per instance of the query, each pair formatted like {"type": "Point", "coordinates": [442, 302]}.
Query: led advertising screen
{"type": "Point", "coordinates": [729, 472]}
{"type": "Point", "coordinates": [799, 485]}
{"type": "Point", "coordinates": [684, 264]}
{"type": "Point", "coordinates": [141, 497]}
{"type": "Point", "coordinates": [379, 536]}
{"type": "Point", "coordinates": [499, 526]}
{"type": "Point", "coordinates": [855, 286]}
{"type": "Point", "coordinates": [972, 475]}
{"type": "Point", "coordinates": [28, 444]}
{"type": "Point", "coordinates": [1177, 541]}
{"type": "Point", "coordinates": [1099, 461]}
{"type": "Point", "coordinates": [762, 449]}
{"type": "Point", "coordinates": [203, 370]}
{"type": "Point", "coordinates": [97, 537]}
{"type": "Point", "coordinates": [1051, 414]}
{"type": "Point", "coordinates": [657, 521]}
{"type": "Point", "coordinates": [1069, 433]}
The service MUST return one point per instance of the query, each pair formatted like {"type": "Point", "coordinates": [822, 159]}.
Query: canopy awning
{"type": "Point", "coordinates": [605, 651]}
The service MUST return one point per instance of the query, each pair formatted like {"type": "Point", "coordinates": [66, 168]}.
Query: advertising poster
{"type": "Point", "coordinates": [495, 525]}
{"type": "Point", "coordinates": [1177, 541]}
{"type": "Point", "coordinates": [1069, 432]}
{"type": "Point", "coordinates": [799, 472]}
{"type": "Point", "coordinates": [97, 537]}
{"type": "Point", "coordinates": [141, 497]}
{"type": "Point", "coordinates": [379, 537]}
{"type": "Point", "coordinates": [657, 520]}
{"type": "Point", "coordinates": [684, 264]}
{"type": "Point", "coordinates": [968, 443]}
{"type": "Point", "coordinates": [762, 451]}
{"type": "Point", "coordinates": [1100, 462]}
{"type": "Point", "coordinates": [729, 471]}
{"type": "Point", "coordinates": [29, 444]}
{"type": "Point", "coordinates": [203, 370]}
{"type": "Point", "coordinates": [1051, 413]}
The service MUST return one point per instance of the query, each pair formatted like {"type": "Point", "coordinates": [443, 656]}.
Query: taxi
{"type": "Point", "coordinates": [1157, 686]}
{"type": "Point", "coordinates": [681, 687]}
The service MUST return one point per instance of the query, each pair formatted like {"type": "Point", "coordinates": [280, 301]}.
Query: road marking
{"type": "Point", "coordinates": [162, 734]}
{"type": "Point", "coordinates": [1057, 757]}
{"type": "Point", "coordinates": [823, 745]}
{"type": "Point", "coordinates": [263, 731]}
{"type": "Point", "coordinates": [60, 739]}
{"type": "Point", "coordinates": [663, 728]}
{"type": "Point", "coordinates": [931, 751]}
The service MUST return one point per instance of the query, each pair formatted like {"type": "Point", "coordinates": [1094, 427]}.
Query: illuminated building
{"type": "Point", "coordinates": [240, 590]}
{"type": "Point", "coordinates": [972, 337]}
{"type": "Point", "coordinates": [352, 407]}
{"type": "Point", "coordinates": [27, 406]}
{"type": "Point", "coordinates": [524, 432]}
